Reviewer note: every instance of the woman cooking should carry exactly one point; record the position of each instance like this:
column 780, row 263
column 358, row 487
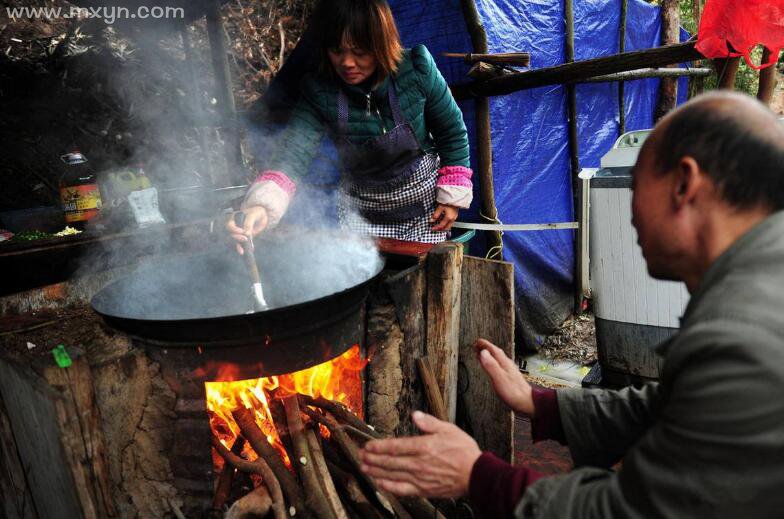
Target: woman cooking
column 399, row 133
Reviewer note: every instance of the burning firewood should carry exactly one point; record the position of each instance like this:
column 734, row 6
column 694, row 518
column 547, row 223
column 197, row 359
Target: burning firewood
column 309, row 456
column 256, row 503
column 223, row 488
column 261, row 468
column 320, row 464
column 303, row 461
column 252, row 433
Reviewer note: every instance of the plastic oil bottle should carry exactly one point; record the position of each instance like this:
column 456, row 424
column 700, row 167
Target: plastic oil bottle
column 79, row 193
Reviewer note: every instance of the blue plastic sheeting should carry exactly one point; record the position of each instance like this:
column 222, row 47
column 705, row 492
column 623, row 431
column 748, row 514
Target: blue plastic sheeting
column 529, row 129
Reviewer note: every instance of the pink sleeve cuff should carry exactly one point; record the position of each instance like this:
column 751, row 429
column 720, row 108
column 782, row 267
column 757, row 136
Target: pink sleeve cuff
column 280, row 178
column 454, row 176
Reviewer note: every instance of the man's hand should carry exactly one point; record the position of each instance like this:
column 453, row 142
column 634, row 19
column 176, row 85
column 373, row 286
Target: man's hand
column 508, row 382
column 437, row 464
column 443, row 217
column 256, row 220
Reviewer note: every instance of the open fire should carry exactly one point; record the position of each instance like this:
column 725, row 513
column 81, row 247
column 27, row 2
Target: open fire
column 339, row 379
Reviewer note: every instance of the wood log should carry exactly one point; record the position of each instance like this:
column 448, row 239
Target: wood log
column 443, row 318
column 279, row 418
column 324, row 477
column 247, row 424
column 254, row 504
column 88, row 442
column 407, row 292
column 726, row 72
column 225, row 479
column 670, row 34
column 434, row 400
column 621, row 84
column 488, row 303
column 484, row 156
column 15, row 498
column 579, row 70
column 340, row 412
column 768, row 79
column 261, row 468
column 359, row 436
column 303, row 461
column 351, row 452
column 512, row 59
column 352, row 492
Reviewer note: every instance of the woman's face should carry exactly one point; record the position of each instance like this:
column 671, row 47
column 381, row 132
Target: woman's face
column 351, row 63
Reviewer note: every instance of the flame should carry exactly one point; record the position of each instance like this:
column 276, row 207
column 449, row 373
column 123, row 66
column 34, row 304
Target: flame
column 339, row 379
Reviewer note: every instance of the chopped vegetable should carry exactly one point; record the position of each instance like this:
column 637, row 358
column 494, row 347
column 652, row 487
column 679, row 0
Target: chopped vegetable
column 30, row 236
column 67, row 231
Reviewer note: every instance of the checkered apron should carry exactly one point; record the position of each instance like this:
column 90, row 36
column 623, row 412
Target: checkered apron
column 388, row 186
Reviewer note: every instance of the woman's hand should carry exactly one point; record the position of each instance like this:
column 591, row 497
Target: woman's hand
column 443, row 217
column 256, row 220
column 508, row 383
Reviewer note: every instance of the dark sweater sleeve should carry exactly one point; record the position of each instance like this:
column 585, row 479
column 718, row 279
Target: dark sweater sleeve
column 496, row 487
column 546, row 423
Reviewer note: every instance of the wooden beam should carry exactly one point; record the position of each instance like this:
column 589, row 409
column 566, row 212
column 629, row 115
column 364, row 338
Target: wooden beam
column 512, row 59
column 670, row 34
column 487, row 311
column 579, row 70
column 484, row 145
column 645, row 73
column 443, row 318
column 767, row 80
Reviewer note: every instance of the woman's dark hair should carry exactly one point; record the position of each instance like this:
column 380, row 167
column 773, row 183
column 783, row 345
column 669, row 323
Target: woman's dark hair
column 368, row 24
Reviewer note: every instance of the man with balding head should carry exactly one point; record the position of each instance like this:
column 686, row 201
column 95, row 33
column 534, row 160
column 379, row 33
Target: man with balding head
column 708, row 439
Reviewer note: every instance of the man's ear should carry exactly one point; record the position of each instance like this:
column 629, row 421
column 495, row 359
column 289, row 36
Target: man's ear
column 688, row 180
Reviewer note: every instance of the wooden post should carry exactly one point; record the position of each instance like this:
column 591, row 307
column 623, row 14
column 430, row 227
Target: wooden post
column 225, row 94
column 767, row 80
column 443, row 318
column 726, row 71
column 487, row 304
column 697, row 83
column 670, row 34
column 621, row 84
column 484, row 145
column 574, row 146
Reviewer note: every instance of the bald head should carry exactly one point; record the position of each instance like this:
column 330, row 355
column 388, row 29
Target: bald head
column 735, row 139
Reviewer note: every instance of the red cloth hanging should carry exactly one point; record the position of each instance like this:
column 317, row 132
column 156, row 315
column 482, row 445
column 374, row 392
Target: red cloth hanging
column 731, row 28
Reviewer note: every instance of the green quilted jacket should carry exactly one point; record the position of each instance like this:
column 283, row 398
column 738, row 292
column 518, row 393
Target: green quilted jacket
column 425, row 101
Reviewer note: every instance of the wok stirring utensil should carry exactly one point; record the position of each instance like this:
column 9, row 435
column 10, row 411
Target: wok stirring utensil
column 249, row 255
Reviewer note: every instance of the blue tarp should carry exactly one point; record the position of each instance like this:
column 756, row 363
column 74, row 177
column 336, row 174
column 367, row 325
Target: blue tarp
column 529, row 129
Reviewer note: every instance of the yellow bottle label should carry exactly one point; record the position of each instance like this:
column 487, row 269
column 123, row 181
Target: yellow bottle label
column 80, row 203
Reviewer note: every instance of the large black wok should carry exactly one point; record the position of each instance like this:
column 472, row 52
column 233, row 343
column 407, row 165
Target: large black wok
column 199, row 307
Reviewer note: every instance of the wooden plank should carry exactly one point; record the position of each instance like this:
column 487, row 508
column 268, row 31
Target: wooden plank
column 407, row 292
column 32, row 409
column 16, row 502
column 443, row 318
column 579, row 70
column 487, row 311
column 85, row 439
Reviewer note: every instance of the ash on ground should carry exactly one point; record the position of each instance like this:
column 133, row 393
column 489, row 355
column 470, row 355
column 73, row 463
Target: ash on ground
column 574, row 340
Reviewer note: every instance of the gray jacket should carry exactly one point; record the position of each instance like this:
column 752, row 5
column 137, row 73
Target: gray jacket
column 708, row 439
